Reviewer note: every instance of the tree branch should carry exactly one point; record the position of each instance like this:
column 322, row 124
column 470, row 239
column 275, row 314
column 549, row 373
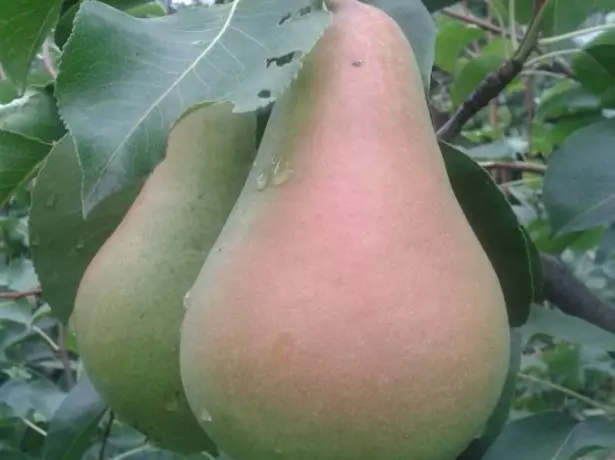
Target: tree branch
column 562, row 288
column 514, row 166
column 488, row 89
column 19, row 295
column 64, row 357
column 474, row 21
column 557, row 66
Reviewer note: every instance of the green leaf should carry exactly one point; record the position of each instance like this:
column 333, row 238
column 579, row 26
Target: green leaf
column 16, row 311
column 74, row 423
column 153, row 453
column 470, row 73
column 453, row 37
column 579, row 187
column 561, row 16
column 24, row 25
column 540, row 231
column 501, row 150
column 62, row 242
column 594, row 66
column 498, row 418
column 565, row 98
column 21, row 275
column 419, row 28
column 606, row 246
column 548, row 435
column 8, row 92
column 40, row 74
column 39, row 395
column 120, row 102
column 516, row 262
column 553, row 134
column 148, row 10
column 523, row 10
column 19, row 156
column 65, row 24
column 590, row 435
column 14, row 455
column 559, row 325
column 34, row 115
column 434, row 5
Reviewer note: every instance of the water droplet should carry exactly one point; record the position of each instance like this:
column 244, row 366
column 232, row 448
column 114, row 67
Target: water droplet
column 35, row 241
column 281, row 172
column 187, row 299
column 198, row 42
column 171, row 406
column 205, row 416
column 262, row 181
column 80, row 244
column 51, row 200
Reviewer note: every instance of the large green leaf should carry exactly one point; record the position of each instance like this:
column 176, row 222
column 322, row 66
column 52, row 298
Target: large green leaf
column 74, row 423
column 553, row 436
column 24, row 25
column 34, row 115
column 594, row 66
column 69, row 11
column 565, row 98
column 62, row 242
column 419, row 28
column 19, row 156
column 579, row 187
column 556, row 324
column 124, row 81
column 453, row 37
column 39, row 395
column 433, row 5
column 510, row 250
column 561, row 16
column 8, row 92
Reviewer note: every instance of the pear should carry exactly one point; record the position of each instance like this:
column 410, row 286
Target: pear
column 347, row 310
column 129, row 304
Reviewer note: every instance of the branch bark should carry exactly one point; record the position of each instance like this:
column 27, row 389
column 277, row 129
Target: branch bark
column 19, row 295
column 563, row 289
column 515, row 166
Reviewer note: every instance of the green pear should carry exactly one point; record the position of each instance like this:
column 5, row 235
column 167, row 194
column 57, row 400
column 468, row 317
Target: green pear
column 129, row 305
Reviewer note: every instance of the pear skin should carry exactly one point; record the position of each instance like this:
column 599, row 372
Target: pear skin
column 347, row 311
column 129, row 305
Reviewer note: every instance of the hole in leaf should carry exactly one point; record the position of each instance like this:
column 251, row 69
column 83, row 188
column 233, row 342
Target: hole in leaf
column 264, row 94
column 281, row 60
column 285, row 18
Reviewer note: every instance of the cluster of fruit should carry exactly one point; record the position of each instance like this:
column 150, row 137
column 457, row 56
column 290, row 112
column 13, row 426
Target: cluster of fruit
column 321, row 298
